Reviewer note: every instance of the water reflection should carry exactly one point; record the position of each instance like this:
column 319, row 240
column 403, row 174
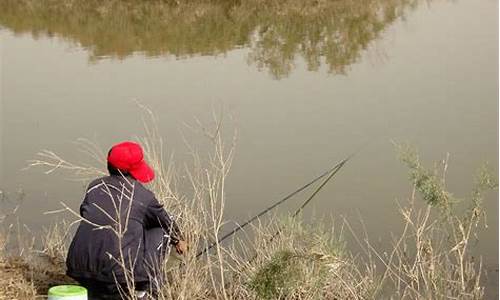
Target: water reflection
column 277, row 33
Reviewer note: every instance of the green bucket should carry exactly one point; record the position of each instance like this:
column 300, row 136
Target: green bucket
column 67, row 292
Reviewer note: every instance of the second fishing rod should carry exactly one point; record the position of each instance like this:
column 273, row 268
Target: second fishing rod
column 332, row 171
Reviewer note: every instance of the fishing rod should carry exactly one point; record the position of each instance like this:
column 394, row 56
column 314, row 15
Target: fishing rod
column 333, row 170
column 304, row 204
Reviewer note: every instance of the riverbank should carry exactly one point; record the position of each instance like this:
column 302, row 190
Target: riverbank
column 429, row 259
column 21, row 278
column 13, row 282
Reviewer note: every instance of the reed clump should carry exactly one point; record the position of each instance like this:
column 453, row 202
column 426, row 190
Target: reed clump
column 285, row 258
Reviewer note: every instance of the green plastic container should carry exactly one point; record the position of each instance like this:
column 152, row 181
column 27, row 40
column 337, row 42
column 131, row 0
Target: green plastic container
column 67, row 292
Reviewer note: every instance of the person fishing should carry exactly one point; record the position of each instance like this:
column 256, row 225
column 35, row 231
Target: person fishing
column 125, row 233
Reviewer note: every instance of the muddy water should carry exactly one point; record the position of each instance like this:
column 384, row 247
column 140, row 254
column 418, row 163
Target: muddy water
column 303, row 91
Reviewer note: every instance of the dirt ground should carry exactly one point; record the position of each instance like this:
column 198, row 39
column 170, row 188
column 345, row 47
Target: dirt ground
column 20, row 280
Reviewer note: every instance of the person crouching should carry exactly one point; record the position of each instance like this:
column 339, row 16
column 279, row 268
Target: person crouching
column 125, row 232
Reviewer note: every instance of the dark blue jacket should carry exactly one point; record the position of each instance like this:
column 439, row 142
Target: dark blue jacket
column 95, row 252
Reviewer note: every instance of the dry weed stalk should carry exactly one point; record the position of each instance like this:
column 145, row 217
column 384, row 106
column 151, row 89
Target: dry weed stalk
column 200, row 216
column 431, row 258
column 52, row 162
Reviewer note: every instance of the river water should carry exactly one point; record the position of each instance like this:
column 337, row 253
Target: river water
column 302, row 96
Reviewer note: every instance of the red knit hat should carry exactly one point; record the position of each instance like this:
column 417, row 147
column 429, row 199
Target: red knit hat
column 129, row 157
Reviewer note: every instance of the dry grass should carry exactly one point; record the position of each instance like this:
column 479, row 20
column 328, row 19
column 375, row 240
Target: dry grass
column 29, row 273
column 429, row 259
column 13, row 282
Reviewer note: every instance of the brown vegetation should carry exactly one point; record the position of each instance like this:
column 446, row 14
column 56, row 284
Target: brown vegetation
column 430, row 257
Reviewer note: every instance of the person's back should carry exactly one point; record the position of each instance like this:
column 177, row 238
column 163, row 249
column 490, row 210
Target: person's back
column 123, row 231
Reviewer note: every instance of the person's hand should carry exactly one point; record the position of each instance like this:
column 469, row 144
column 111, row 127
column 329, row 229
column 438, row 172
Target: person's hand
column 181, row 247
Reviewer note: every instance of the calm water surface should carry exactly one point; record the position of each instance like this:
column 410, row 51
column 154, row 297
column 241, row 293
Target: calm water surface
column 303, row 95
